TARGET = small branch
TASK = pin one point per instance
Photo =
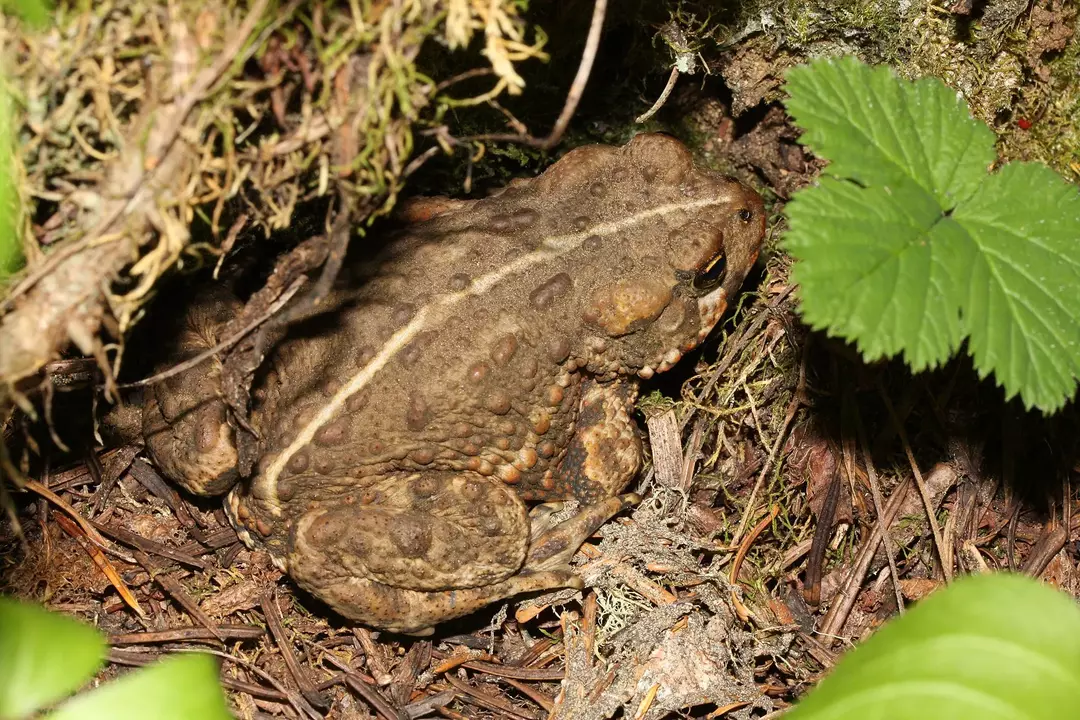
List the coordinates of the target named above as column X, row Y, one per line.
column 672, row 78
column 942, row 476
column 879, row 509
column 573, row 97
column 931, row 519
column 461, row 77
column 188, row 634
column 844, row 599
column 221, row 346
column 338, row 239
column 1049, row 545
column 364, row 689
column 744, row 548
column 175, row 123
column 274, row 623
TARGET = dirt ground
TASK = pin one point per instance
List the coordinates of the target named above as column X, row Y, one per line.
column 756, row 558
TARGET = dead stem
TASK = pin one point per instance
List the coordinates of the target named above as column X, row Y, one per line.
column 365, row 690
column 931, row 518
column 744, row 547
column 672, row 78
column 272, row 615
column 188, row 634
column 91, row 533
column 174, row 122
column 879, row 505
column 298, row 703
column 98, row 557
column 844, row 599
column 573, row 97
column 221, row 346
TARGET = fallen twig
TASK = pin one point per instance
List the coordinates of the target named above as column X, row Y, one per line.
column 573, row 97
column 102, row 562
column 844, row 599
column 273, row 622
column 744, row 548
column 672, row 78
column 883, row 528
column 221, row 346
column 931, row 519
column 188, row 634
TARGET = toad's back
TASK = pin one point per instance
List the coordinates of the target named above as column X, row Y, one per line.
column 488, row 355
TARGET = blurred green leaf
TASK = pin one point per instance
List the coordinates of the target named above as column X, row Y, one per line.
column 993, row 647
column 36, row 13
column 11, row 257
column 44, row 657
column 180, row 687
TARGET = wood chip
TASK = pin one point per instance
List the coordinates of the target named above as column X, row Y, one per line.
column 666, row 445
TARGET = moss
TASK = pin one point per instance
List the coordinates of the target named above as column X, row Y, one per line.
column 1044, row 124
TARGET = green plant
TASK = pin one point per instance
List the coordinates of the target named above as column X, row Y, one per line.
column 11, row 258
column 989, row 647
column 908, row 245
column 45, row 656
column 34, row 13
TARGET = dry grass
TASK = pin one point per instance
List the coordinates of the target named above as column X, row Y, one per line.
column 153, row 135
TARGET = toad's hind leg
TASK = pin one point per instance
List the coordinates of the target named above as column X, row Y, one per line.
column 431, row 547
column 184, row 417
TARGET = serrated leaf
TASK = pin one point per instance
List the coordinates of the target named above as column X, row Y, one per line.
column 989, row 647
column 1022, row 304
column 177, row 688
column 877, row 266
column 44, row 657
column 880, row 130
column 909, row 247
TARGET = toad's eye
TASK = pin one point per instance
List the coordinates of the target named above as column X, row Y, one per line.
column 711, row 276
column 745, row 215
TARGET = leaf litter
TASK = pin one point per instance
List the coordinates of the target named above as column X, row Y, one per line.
column 663, row 625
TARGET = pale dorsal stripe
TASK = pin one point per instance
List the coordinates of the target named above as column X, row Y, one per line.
column 552, row 247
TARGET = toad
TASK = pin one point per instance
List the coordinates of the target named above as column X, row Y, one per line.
column 486, row 361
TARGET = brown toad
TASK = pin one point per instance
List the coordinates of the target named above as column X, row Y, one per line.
column 487, row 358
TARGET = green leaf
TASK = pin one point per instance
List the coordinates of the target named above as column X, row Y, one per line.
column 907, row 246
column 877, row 267
column 1022, row 304
column 36, row 13
column 44, row 657
column 11, row 257
column 989, row 647
column 879, row 130
column 179, row 687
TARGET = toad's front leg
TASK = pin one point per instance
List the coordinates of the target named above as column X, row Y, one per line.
column 605, row 452
column 417, row 550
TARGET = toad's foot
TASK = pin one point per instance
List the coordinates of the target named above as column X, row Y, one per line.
column 553, row 549
column 433, row 547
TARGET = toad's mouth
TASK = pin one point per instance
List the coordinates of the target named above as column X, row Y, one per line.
column 711, row 308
